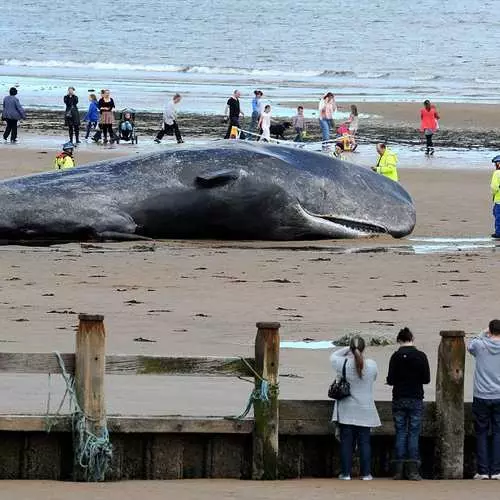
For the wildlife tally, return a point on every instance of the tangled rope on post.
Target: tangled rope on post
(261, 394)
(93, 453)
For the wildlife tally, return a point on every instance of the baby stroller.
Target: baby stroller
(126, 126)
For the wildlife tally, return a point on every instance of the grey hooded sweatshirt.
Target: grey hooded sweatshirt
(486, 350)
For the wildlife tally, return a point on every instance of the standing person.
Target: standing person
(233, 113)
(387, 162)
(170, 120)
(353, 120)
(12, 112)
(327, 108)
(92, 116)
(357, 413)
(408, 372)
(72, 115)
(495, 191)
(265, 124)
(428, 125)
(299, 124)
(106, 107)
(486, 400)
(256, 110)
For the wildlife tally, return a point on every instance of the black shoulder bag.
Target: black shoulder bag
(340, 389)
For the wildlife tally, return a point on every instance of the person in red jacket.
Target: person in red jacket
(428, 125)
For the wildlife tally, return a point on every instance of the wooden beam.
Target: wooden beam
(123, 364)
(450, 405)
(266, 412)
(90, 359)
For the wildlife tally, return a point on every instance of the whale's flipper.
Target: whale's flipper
(217, 178)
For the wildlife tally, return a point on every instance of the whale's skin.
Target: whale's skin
(226, 190)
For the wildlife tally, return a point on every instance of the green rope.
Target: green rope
(258, 394)
(93, 453)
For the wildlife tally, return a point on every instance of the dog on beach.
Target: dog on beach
(278, 130)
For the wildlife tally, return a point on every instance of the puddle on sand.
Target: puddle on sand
(303, 344)
(444, 245)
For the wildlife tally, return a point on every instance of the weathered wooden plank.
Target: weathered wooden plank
(11, 452)
(225, 457)
(160, 365)
(35, 362)
(166, 455)
(42, 456)
(122, 364)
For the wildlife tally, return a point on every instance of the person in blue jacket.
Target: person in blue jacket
(92, 116)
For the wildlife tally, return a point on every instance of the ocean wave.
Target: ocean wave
(157, 68)
(425, 78)
(374, 76)
(486, 81)
(337, 73)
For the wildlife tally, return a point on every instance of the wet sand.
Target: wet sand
(203, 298)
(202, 489)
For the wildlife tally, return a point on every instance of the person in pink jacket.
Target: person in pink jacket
(428, 125)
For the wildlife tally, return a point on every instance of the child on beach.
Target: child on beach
(265, 124)
(299, 124)
(92, 116)
(338, 152)
(353, 120)
(64, 159)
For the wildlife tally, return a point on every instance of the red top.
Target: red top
(428, 119)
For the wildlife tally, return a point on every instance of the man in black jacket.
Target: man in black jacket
(408, 372)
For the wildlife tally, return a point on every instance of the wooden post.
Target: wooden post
(450, 405)
(266, 413)
(90, 361)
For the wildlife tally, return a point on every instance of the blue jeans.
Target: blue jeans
(487, 416)
(324, 125)
(349, 436)
(407, 416)
(496, 214)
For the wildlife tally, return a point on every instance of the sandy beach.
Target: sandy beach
(199, 489)
(203, 298)
(462, 125)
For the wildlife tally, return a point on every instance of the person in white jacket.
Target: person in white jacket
(357, 413)
(170, 126)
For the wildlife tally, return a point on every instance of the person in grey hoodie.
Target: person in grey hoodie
(12, 112)
(486, 402)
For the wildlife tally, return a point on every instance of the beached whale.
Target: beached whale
(228, 190)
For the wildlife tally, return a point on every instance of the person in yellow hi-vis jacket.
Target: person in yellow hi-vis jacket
(495, 192)
(387, 163)
(64, 159)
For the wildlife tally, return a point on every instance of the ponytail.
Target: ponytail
(357, 346)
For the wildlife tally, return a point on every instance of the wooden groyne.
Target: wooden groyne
(283, 439)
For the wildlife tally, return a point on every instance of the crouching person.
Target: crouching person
(408, 372)
(65, 159)
(486, 401)
(356, 413)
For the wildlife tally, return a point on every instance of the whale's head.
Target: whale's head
(314, 194)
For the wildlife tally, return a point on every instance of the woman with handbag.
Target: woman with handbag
(355, 413)
(72, 115)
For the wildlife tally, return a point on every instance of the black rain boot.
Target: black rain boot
(398, 470)
(412, 473)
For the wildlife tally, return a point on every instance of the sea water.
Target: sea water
(143, 51)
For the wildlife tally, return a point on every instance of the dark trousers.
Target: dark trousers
(107, 128)
(487, 416)
(349, 436)
(172, 129)
(496, 215)
(74, 128)
(234, 121)
(10, 129)
(90, 126)
(407, 416)
(428, 141)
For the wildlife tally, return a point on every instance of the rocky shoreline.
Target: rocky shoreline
(212, 126)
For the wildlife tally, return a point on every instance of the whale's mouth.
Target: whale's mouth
(355, 225)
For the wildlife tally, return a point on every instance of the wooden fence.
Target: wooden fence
(444, 421)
